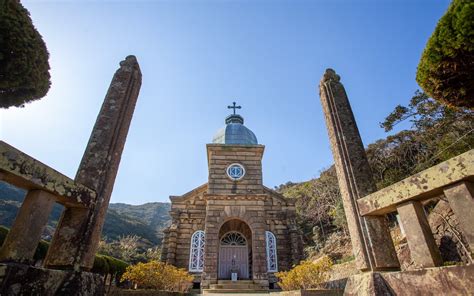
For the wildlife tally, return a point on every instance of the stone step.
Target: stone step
(234, 291)
(235, 286)
(233, 282)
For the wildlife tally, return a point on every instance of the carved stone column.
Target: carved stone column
(77, 236)
(371, 242)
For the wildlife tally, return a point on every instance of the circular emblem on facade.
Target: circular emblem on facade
(235, 171)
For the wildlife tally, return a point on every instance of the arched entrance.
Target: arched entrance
(235, 250)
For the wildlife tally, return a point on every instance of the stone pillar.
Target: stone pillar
(259, 254)
(164, 245)
(172, 243)
(211, 247)
(22, 240)
(371, 242)
(295, 243)
(461, 200)
(423, 249)
(78, 233)
(296, 247)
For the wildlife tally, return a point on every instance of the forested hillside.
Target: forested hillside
(145, 221)
(436, 133)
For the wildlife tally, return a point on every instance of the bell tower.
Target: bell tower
(235, 159)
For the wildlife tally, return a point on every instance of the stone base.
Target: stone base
(449, 280)
(19, 279)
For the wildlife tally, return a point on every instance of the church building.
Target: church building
(233, 224)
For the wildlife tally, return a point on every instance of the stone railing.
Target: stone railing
(45, 186)
(453, 178)
(85, 199)
(365, 209)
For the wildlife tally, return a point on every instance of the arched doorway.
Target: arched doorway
(235, 250)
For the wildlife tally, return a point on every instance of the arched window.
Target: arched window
(233, 238)
(272, 260)
(196, 251)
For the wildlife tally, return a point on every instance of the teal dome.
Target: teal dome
(235, 132)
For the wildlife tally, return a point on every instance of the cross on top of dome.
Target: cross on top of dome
(234, 132)
(234, 107)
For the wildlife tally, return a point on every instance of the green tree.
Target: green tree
(445, 71)
(24, 66)
(438, 132)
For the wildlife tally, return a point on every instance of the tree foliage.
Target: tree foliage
(318, 204)
(158, 275)
(437, 133)
(445, 70)
(129, 249)
(24, 67)
(306, 275)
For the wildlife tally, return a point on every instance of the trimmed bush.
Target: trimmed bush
(3, 233)
(41, 250)
(445, 71)
(306, 275)
(116, 266)
(100, 265)
(158, 275)
(24, 66)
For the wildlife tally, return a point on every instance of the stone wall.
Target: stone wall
(18, 279)
(188, 213)
(448, 235)
(221, 156)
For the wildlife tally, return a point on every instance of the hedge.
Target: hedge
(102, 264)
(445, 71)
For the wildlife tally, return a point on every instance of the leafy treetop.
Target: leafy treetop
(445, 71)
(24, 67)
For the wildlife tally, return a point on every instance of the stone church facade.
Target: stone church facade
(233, 223)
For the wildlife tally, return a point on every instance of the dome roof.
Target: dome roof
(234, 132)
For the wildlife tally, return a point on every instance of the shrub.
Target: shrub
(100, 265)
(158, 275)
(445, 71)
(306, 275)
(41, 250)
(24, 67)
(3, 233)
(116, 266)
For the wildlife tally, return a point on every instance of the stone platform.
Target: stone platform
(449, 280)
(229, 287)
(20, 279)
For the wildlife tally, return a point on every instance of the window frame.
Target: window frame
(271, 243)
(198, 241)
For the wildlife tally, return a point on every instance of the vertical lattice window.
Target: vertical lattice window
(196, 251)
(272, 260)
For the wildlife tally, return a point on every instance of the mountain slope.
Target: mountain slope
(146, 221)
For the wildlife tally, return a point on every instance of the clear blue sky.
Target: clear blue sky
(199, 56)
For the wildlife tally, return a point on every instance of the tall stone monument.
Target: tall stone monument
(77, 237)
(371, 242)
